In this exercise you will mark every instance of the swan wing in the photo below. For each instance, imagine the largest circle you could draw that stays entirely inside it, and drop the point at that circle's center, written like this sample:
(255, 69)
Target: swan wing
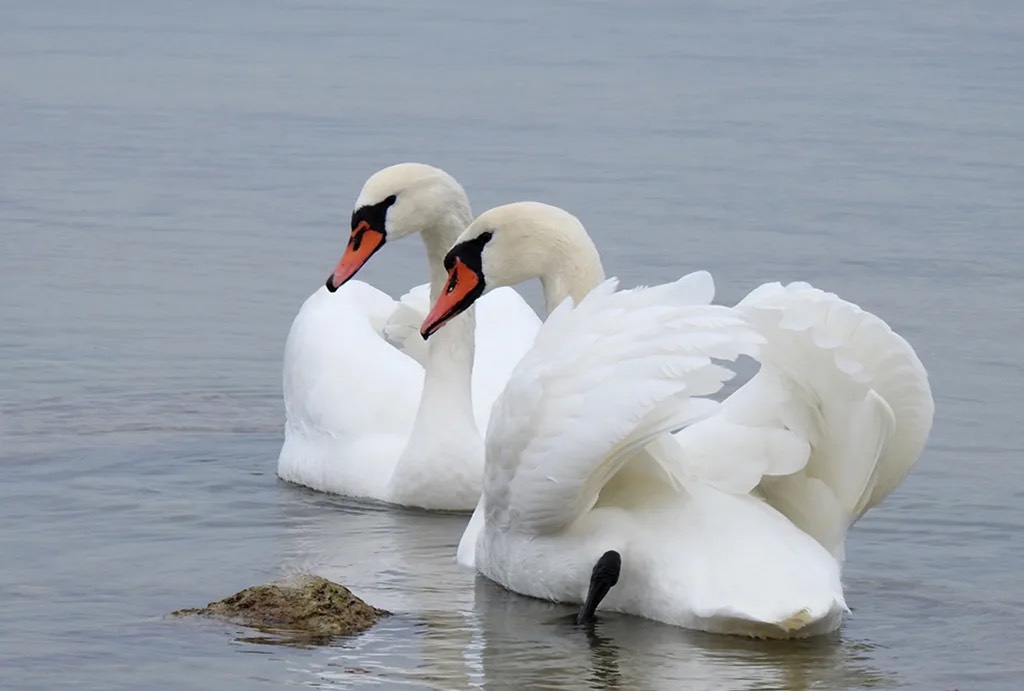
(601, 380)
(834, 420)
(349, 395)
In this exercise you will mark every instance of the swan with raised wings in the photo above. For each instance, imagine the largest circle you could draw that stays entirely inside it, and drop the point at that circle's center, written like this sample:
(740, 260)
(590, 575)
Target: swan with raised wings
(586, 499)
(362, 391)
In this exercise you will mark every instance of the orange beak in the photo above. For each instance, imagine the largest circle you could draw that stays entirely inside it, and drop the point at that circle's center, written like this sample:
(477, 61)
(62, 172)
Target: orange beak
(462, 290)
(361, 246)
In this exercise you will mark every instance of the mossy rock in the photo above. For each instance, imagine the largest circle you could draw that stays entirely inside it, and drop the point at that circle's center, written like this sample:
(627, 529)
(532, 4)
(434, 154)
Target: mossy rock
(309, 609)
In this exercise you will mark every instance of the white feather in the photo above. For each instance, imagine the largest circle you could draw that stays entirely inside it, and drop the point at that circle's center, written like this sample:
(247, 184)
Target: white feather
(577, 463)
(833, 421)
(653, 343)
(364, 394)
(733, 524)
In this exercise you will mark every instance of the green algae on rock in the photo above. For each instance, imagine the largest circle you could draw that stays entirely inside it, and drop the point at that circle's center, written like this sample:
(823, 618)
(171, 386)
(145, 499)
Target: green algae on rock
(310, 609)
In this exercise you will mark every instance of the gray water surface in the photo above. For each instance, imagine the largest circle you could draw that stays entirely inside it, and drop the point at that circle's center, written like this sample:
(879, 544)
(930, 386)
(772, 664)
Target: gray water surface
(176, 178)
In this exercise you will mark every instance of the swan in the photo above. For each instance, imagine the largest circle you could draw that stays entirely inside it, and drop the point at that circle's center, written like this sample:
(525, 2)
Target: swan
(587, 500)
(362, 391)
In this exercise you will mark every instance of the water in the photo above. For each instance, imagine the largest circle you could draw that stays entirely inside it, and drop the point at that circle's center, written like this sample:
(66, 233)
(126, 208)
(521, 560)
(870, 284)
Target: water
(176, 177)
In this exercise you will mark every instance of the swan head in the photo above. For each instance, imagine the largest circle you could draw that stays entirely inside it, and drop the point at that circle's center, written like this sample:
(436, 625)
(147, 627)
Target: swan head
(397, 201)
(508, 245)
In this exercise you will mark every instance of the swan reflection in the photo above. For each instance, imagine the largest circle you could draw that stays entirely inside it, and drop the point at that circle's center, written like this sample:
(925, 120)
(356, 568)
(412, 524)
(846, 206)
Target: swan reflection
(453, 629)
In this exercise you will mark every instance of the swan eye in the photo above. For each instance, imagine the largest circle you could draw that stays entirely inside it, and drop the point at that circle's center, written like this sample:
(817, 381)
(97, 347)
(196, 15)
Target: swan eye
(373, 216)
(452, 282)
(357, 235)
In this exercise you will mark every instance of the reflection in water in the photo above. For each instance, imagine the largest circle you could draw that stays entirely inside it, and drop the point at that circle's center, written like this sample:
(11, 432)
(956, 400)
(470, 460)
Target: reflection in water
(537, 643)
(402, 561)
(456, 630)
(604, 659)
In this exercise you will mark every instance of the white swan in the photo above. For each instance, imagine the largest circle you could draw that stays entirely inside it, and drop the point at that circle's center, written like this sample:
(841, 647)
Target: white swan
(363, 394)
(582, 488)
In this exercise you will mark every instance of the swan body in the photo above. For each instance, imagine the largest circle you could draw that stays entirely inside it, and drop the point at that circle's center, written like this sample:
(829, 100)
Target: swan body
(361, 388)
(581, 461)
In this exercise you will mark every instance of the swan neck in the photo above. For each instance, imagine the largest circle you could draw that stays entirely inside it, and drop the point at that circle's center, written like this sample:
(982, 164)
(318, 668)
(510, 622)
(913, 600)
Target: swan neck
(442, 463)
(575, 270)
(446, 402)
(449, 366)
(438, 238)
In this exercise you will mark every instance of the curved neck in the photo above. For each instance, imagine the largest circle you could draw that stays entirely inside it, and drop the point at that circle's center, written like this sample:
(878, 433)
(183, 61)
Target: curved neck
(438, 239)
(445, 416)
(449, 367)
(573, 270)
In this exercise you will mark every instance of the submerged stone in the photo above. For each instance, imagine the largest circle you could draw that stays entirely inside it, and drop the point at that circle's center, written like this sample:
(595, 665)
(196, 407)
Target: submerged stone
(307, 609)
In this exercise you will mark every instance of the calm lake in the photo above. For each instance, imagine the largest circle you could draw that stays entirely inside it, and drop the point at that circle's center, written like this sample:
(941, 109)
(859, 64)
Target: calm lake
(176, 177)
